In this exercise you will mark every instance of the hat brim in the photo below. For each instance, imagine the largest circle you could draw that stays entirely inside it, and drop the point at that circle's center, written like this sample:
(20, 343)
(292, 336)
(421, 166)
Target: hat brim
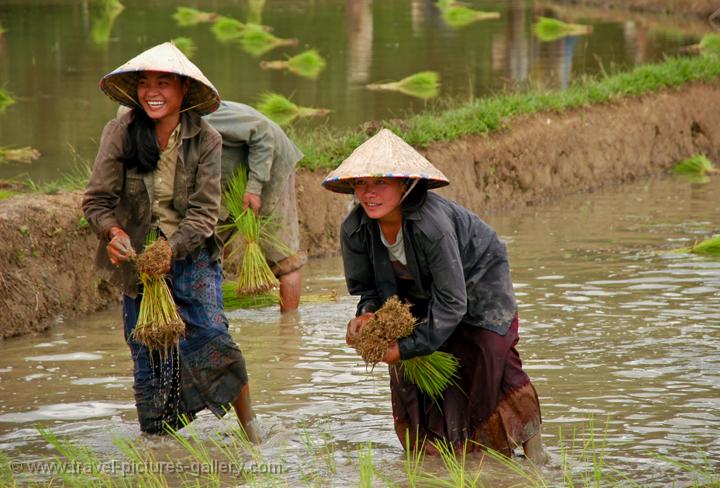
(121, 86)
(345, 184)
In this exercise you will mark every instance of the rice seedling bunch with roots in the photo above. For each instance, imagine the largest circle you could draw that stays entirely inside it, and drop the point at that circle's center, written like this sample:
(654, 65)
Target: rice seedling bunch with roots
(159, 326)
(255, 276)
(308, 64)
(424, 84)
(460, 16)
(283, 111)
(258, 41)
(548, 29)
(699, 164)
(19, 155)
(186, 45)
(432, 373)
(228, 29)
(710, 44)
(186, 16)
(708, 247)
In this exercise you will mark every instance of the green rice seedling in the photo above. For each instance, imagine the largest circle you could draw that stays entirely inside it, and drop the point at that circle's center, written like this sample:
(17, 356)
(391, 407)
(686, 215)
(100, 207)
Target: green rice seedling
(140, 458)
(308, 64)
(104, 19)
(233, 302)
(699, 165)
(283, 111)
(432, 373)
(531, 476)
(456, 467)
(186, 45)
(703, 474)
(5, 100)
(87, 467)
(367, 468)
(258, 41)
(413, 458)
(255, 276)
(710, 44)
(2, 30)
(18, 155)
(228, 29)
(708, 247)
(159, 326)
(461, 16)
(547, 29)
(421, 85)
(186, 16)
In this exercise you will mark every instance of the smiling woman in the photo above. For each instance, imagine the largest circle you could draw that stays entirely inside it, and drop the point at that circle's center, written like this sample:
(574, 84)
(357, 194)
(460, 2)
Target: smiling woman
(157, 173)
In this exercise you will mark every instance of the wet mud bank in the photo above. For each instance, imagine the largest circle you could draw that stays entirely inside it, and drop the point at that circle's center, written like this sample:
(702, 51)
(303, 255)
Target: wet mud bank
(47, 250)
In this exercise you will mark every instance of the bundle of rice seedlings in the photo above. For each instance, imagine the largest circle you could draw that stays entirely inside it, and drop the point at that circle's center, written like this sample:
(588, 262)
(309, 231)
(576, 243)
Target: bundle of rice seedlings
(422, 85)
(710, 44)
(159, 326)
(432, 374)
(19, 155)
(233, 302)
(548, 29)
(708, 247)
(258, 41)
(461, 16)
(698, 164)
(2, 30)
(186, 45)
(186, 16)
(308, 64)
(228, 29)
(255, 276)
(283, 111)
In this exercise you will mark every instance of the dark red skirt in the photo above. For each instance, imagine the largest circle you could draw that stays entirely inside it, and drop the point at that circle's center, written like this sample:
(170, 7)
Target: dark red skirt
(493, 402)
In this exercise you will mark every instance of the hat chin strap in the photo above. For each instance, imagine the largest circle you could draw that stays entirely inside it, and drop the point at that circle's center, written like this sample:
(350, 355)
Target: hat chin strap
(415, 182)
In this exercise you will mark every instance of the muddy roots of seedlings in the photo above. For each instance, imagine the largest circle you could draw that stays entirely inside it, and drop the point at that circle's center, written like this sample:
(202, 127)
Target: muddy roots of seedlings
(392, 321)
(153, 260)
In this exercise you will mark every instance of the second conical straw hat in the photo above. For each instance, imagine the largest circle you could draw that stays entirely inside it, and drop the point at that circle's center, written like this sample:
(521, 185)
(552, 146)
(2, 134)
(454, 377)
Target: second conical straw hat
(383, 155)
(121, 84)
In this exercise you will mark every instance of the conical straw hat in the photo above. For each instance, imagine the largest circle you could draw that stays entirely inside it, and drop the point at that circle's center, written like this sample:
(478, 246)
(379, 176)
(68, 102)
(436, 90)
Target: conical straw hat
(383, 155)
(121, 84)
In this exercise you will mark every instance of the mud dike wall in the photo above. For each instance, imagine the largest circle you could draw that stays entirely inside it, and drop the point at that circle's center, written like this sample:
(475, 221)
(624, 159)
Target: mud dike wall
(46, 253)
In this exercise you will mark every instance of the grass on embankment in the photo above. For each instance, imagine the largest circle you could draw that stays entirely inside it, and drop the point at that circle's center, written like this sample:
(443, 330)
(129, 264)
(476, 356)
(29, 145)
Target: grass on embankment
(326, 148)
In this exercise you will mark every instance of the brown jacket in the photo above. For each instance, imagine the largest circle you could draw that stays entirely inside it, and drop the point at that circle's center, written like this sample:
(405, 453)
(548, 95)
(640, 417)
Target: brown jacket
(119, 197)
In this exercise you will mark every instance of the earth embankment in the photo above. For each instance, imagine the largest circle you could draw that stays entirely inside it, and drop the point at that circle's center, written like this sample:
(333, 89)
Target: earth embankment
(47, 251)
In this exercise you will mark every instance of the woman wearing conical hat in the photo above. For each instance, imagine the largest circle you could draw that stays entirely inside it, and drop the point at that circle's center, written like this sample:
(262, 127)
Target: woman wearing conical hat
(158, 168)
(453, 269)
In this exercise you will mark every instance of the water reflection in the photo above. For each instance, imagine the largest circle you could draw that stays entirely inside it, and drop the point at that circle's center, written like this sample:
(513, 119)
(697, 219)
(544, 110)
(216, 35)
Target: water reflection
(55, 51)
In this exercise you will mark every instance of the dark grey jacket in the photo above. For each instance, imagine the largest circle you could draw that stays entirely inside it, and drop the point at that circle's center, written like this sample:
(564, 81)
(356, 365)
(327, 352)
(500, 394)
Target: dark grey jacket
(458, 262)
(119, 197)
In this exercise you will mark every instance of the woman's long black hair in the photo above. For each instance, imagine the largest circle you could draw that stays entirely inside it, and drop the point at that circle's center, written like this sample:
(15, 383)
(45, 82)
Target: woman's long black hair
(141, 149)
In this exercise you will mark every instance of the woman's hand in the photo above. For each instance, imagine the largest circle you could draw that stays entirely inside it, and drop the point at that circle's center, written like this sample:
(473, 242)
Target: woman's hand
(252, 201)
(354, 327)
(119, 248)
(392, 355)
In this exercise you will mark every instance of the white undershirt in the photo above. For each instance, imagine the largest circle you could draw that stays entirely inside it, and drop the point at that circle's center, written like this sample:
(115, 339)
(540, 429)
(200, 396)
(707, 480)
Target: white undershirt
(396, 250)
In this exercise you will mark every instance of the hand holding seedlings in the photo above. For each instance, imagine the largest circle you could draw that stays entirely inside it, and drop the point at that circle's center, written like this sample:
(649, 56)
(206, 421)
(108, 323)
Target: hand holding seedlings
(253, 201)
(354, 326)
(119, 248)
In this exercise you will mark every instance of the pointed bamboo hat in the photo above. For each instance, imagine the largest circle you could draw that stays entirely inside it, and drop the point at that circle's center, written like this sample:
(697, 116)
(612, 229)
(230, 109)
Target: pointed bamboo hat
(121, 84)
(383, 155)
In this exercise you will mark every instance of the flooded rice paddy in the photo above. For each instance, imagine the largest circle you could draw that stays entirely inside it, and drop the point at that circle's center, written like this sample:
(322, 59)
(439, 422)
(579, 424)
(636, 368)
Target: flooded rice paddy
(54, 53)
(615, 330)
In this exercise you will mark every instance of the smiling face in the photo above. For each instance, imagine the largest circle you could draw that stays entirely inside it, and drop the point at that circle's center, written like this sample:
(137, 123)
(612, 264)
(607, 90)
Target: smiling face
(161, 94)
(380, 197)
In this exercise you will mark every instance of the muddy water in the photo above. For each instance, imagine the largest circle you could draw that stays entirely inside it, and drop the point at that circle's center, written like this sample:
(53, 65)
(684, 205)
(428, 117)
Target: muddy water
(55, 51)
(613, 328)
